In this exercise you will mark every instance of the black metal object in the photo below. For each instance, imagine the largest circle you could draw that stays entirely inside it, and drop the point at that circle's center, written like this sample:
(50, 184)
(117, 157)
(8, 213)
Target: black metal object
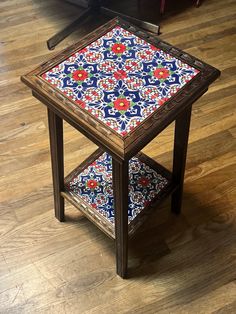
(95, 8)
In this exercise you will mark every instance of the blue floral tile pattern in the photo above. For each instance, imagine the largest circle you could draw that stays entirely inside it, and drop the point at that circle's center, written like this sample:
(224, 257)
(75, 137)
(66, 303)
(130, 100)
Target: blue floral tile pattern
(120, 79)
(94, 186)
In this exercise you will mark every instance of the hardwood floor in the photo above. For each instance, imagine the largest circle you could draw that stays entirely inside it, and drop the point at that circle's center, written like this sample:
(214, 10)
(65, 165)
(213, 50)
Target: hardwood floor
(184, 264)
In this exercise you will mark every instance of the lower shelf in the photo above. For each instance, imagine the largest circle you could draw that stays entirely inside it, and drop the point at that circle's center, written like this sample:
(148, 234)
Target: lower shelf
(89, 188)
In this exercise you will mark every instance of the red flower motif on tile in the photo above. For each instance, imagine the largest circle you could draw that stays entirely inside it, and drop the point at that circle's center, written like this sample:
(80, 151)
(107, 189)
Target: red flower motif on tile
(161, 73)
(162, 101)
(81, 103)
(121, 104)
(146, 203)
(83, 50)
(143, 181)
(79, 75)
(118, 48)
(154, 48)
(120, 75)
(123, 133)
(92, 184)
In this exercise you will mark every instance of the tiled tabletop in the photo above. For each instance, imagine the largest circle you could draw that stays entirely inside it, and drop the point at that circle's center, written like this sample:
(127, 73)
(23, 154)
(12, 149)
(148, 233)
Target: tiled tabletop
(120, 79)
(120, 86)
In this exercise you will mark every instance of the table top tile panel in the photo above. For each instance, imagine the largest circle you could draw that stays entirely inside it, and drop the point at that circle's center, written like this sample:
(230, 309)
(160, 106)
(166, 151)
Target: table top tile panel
(120, 79)
(94, 186)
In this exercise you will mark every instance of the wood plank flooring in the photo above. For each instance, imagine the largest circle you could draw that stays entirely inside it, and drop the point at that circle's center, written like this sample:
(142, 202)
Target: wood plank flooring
(184, 264)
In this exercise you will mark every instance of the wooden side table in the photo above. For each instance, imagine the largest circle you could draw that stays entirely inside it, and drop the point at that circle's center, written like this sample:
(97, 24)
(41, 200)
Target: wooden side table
(120, 87)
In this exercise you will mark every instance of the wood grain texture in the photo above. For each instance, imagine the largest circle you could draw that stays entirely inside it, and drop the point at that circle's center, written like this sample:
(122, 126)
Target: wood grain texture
(184, 264)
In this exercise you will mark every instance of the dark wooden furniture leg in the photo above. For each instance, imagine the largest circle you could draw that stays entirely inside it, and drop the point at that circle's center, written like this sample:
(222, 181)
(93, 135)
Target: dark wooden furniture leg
(143, 24)
(162, 6)
(120, 188)
(55, 124)
(94, 9)
(198, 3)
(182, 124)
(58, 37)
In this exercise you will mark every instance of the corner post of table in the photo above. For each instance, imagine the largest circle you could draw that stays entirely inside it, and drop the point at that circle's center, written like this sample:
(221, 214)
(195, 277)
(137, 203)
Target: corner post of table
(55, 124)
(182, 125)
(120, 188)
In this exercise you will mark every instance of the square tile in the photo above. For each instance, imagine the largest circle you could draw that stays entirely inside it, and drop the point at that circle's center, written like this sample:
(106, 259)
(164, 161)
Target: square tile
(120, 79)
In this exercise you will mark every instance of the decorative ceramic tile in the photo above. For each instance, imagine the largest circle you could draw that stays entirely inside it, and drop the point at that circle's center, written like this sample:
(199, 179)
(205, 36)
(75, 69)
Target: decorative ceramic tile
(94, 186)
(120, 79)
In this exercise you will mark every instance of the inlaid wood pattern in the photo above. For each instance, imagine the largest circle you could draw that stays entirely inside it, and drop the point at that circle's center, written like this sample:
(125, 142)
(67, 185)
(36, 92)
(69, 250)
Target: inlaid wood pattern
(183, 264)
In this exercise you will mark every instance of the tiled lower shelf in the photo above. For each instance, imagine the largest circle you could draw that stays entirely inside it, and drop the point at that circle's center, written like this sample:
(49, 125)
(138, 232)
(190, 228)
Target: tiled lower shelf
(89, 188)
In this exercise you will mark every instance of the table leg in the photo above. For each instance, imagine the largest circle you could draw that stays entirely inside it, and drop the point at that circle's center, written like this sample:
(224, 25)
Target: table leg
(55, 124)
(182, 124)
(162, 6)
(120, 188)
